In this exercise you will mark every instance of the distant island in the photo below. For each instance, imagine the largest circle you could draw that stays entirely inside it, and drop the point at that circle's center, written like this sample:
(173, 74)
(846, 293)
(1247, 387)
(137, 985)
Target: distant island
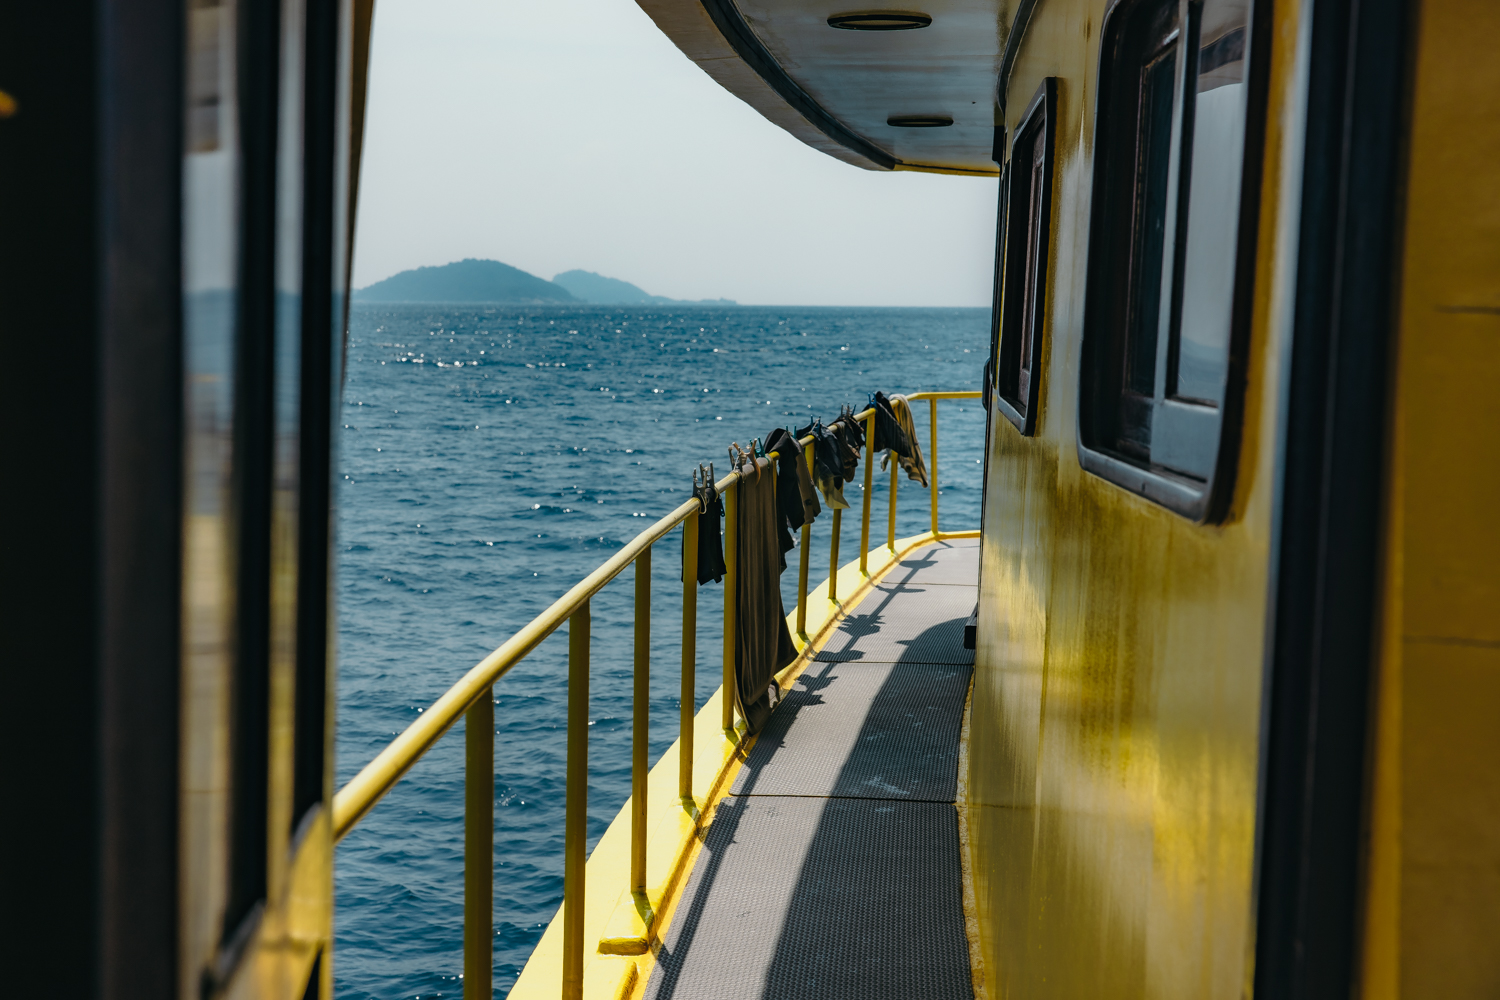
(473, 280)
(599, 290)
(465, 281)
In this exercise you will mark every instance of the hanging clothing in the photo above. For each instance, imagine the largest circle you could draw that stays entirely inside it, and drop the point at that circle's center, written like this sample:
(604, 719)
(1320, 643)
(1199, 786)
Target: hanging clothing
(710, 540)
(763, 645)
(855, 428)
(915, 467)
(848, 453)
(794, 489)
(795, 495)
(828, 464)
(889, 435)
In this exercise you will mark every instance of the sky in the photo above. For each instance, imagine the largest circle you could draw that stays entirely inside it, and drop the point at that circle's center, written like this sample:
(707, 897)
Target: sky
(573, 134)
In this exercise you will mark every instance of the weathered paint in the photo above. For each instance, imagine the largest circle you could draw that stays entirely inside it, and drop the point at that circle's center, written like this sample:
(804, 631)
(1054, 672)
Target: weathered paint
(1115, 739)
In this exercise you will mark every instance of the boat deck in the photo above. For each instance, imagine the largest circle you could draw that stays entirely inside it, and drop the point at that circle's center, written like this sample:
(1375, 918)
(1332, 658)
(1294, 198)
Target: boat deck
(832, 869)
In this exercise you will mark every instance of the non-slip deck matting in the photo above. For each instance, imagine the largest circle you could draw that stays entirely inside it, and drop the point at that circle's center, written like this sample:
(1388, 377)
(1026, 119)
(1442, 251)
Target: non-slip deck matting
(922, 624)
(955, 562)
(820, 899)
(831, 871)
(868, 730)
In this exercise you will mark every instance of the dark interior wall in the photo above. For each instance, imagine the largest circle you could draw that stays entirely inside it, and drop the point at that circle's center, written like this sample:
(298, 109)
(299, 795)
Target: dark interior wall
(49, 409)
(90, 397)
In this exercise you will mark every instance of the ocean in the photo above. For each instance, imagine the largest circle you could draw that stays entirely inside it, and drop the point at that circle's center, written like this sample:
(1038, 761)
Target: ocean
(490, 457)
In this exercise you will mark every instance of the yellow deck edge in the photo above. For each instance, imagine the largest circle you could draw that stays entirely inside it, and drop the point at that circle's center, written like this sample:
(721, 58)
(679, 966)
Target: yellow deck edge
(625, 932)
(966, 853)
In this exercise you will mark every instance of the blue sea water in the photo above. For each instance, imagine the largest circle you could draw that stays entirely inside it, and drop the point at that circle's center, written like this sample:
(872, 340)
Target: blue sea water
(492, 456)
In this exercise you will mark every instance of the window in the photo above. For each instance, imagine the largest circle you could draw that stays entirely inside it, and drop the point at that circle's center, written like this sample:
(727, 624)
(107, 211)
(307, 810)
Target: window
(1028, 197)
(1170, 150)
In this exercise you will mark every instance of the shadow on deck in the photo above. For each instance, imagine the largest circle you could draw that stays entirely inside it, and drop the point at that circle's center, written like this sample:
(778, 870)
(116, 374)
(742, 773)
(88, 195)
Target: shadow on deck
(832, 869)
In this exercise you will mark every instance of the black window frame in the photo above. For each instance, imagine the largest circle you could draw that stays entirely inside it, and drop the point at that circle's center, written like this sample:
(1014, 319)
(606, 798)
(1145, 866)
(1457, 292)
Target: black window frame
(1111, 269)
(1027, 245)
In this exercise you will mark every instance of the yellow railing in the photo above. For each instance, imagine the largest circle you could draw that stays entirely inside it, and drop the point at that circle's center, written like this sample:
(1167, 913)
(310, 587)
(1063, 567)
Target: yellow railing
(472, 698)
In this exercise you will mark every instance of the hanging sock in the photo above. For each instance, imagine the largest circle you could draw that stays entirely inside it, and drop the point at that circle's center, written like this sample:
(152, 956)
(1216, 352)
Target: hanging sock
(710, 519)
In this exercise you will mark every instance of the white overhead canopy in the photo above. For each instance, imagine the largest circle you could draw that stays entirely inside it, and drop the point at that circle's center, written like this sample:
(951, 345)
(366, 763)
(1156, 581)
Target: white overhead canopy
(838, 89)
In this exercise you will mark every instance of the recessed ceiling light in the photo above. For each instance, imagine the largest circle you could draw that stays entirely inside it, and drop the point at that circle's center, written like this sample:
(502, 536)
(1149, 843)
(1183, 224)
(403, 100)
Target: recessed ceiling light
(880, 20)
(919, 121)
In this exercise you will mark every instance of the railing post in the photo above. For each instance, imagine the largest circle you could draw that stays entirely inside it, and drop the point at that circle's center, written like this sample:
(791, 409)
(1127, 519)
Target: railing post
(479, 847)
(575, 822)
(640, 728)
(833, 545)
(802, 560)
(932, 472)
(731, 562)
(864, 524)
(689, 656)
(890, 527)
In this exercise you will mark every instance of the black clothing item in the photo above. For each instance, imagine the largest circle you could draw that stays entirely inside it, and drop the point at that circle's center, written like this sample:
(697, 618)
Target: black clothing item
(828, 464)
(763, 645)
(847, 452)
(889, 434)
(855, 428)
(710, 541)
(796, 503)
(915, 468)
(794, 489)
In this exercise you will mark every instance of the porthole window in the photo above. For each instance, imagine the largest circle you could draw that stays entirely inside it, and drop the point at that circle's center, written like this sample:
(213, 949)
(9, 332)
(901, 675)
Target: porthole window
(1028, 196)
(1165, 252)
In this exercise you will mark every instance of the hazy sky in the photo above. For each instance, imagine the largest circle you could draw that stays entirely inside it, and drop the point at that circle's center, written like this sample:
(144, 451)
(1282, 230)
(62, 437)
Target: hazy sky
(573, 134)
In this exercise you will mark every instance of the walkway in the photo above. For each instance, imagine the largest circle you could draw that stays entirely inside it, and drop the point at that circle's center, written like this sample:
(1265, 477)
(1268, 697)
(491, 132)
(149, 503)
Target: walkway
(832, 870)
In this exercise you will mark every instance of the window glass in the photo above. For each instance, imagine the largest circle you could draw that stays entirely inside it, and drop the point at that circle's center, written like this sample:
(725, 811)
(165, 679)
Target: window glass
(1170, 148)
(1028, 199)
(1034, 266)
(1158, 86)
(1201, 348)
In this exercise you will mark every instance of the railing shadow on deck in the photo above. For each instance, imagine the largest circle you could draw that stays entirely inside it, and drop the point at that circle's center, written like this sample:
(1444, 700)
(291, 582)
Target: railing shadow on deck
(472, 698)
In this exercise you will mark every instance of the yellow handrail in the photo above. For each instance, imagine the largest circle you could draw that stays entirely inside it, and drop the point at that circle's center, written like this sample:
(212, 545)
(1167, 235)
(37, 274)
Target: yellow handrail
(367, 787)
(472, 697)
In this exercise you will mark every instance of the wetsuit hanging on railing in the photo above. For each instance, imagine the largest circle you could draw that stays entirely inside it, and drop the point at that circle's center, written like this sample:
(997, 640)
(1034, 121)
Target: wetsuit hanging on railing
(763, 644)
(829, 463)
(796, 500)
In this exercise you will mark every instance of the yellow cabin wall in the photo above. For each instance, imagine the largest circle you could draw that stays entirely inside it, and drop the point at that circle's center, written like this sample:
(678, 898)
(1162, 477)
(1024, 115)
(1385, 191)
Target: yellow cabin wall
(1433, 910)
(1114, 745)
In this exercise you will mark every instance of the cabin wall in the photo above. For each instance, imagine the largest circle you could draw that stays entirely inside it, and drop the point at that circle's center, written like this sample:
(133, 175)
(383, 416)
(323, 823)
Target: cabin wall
(1117, 707)
(1433, 914)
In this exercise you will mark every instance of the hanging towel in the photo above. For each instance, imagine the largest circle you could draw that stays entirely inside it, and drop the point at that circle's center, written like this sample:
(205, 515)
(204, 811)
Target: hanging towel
(763, 645)
(915, 467)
